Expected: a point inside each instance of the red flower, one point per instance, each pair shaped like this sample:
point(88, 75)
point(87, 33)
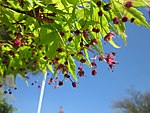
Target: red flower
point(116, 20)
point(109, 36)
point(56, 86)
point(80, 68)
point(110, 59)
point(50, 81)
point(81, 73)
point(17, 43)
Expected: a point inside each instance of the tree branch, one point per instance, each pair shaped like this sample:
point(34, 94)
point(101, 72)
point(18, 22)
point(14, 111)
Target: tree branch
point(30, 13)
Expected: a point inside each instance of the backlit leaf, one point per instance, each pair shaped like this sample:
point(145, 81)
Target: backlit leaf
point(72, 67)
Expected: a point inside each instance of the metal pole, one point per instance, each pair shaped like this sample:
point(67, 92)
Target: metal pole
point(42, 92)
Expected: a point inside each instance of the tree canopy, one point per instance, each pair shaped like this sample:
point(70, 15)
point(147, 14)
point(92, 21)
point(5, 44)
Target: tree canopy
point(55, 35)
point(138, 102)
point(5, 107)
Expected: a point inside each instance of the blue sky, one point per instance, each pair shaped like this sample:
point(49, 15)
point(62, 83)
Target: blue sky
point(96, 94)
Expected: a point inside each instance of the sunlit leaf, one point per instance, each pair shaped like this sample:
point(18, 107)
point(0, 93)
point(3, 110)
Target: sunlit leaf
point(113, 44)
point(31, 2)
point(72, 67)
point(134, 13)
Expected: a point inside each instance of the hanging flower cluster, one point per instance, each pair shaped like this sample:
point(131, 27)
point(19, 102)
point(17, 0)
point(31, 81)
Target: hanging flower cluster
point(60, 37)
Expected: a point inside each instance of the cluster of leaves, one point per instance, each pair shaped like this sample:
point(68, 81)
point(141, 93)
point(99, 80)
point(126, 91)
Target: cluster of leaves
point(5, 107)
point(54, 34)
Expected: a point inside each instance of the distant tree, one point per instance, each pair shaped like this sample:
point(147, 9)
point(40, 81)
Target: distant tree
point(137, 103)
point(5, 107)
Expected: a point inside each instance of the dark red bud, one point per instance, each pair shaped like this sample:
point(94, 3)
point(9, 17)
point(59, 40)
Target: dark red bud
point(81, 73)
point(107, 7)
point(39, 86)
point(124, 19)
point(129, 4)
point(116, 20)
point(100, 13)
point(93, 64)
point(60, 83)
point(132, 20)
point(67, 76)
point(59, 50)
point(70, 39)
point(4, 61)
point(61, 33)
point(77, 32)
point(98, 3)
point(45, 57)
point(83, 60)
point(94, 72)
point(74, 84)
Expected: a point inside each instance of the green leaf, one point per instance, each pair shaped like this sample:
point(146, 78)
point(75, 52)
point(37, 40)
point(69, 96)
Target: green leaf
point(100, 47)
point(113, 44)
point(139, 18)
point(121, 26)
point(47, 37)
point(137, 3)
point(7, 22)
point(1, 71)
point(44, 70)
point(65, 4)
point(39, 3)
point(87, 56)
point(47, 1)
point(50, 68)
point(85, 24)
point(141, 3)
point(104, 28)
point(31, 2)
point(133, 13)
point(55, 72)
point(73, 1)
point(52, 49)
point(25, 51)
point(6, 47)
point(72, 67)
point(113, 29)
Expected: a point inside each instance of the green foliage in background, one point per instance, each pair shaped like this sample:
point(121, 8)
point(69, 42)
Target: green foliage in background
point(5, 107)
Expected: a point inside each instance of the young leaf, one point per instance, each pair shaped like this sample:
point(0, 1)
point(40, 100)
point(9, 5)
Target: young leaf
point(50, 68)
point(87, 56)
point(139, 18)
point(31, 2)
point(133, 13)
point(72, 67)
point(113, 44)
point(136, 3)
